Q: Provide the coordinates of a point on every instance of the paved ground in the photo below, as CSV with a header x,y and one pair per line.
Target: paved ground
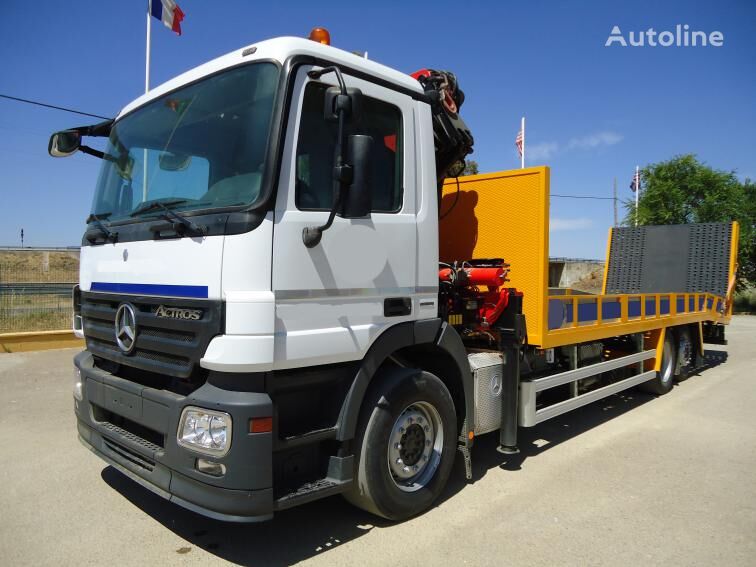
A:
x,y
633,480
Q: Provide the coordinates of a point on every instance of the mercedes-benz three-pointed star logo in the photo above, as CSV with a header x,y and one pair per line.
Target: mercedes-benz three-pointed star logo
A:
x,y
125,327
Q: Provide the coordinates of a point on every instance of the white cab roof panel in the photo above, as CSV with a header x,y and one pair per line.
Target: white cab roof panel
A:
x,y
279,49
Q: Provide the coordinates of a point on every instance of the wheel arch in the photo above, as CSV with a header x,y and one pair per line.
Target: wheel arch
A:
x,y
431,345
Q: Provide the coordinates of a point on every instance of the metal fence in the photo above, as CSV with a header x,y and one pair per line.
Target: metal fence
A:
x,y
563,260
35,289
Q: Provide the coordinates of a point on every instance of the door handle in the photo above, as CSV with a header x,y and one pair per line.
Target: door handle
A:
x,y
397,306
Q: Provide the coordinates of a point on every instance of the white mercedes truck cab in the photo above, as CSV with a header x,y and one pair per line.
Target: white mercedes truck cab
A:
x,y
262,246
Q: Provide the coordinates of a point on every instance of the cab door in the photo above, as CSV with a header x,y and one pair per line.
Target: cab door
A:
x,y
334,299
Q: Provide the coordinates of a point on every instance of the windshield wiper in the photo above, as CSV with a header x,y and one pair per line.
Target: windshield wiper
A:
x,y
96,219
179,223
152,205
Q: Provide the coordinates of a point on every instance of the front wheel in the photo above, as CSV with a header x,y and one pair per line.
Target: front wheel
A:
x,y
406,444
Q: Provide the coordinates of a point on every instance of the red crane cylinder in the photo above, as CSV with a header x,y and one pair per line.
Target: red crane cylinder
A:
x,y
491,277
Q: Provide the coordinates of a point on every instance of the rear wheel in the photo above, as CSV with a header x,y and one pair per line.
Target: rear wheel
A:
x,y
666,374
685,354
406,444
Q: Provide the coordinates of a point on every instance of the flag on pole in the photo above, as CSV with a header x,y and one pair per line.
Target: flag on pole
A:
x,y
168,12
635,185
518,142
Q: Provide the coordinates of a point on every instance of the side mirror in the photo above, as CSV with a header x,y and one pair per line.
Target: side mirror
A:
x,y
64,144
351,103
358,198
343,104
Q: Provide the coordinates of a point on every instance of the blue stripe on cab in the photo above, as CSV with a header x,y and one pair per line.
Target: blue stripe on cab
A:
x,y
196,291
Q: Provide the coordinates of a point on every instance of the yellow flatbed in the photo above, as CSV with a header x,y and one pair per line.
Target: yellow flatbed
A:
x,y
506,215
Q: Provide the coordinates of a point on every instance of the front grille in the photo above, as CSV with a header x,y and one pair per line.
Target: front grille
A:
x,y
170,335
165,346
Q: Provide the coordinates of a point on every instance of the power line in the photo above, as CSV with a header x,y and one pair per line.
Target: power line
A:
x,y
107,118
64,109
583,197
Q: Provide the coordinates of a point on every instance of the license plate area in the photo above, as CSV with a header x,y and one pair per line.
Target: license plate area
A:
x,y
123,403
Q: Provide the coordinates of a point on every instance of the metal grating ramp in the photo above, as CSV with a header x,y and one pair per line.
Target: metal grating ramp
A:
x,y
692,258
709,263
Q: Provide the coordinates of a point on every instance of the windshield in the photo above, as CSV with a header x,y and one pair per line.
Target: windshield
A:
x,y
199,147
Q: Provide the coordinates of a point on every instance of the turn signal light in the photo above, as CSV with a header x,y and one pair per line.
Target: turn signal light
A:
x,y
320,35
261,425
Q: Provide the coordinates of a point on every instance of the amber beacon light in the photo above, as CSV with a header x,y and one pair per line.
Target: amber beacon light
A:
x,y
320,35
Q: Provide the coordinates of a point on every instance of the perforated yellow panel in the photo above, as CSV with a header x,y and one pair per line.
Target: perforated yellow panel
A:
x,y
503,215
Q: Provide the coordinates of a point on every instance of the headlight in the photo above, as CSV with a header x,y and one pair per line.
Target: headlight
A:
x,y
78,388
205,431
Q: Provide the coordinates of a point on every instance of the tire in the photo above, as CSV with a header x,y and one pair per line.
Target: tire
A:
x,y
686,355
405,445
665,378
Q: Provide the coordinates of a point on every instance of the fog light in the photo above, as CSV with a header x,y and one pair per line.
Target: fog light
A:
x,y
78,388
209,467
205,431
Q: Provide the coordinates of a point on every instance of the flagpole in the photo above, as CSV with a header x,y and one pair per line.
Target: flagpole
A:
x,y
147,51
522,156
637,192
146,90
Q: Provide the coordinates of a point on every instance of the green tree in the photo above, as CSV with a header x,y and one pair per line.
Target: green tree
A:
x,y
471,167
685,190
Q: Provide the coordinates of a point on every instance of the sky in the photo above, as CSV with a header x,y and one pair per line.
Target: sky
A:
x,y
593,112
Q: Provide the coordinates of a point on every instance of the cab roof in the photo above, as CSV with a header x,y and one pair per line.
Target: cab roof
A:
x,y
278,49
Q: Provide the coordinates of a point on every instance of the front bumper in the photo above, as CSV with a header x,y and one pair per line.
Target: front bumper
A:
x,y
133,428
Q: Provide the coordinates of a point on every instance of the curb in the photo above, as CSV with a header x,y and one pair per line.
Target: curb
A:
x,y
38,340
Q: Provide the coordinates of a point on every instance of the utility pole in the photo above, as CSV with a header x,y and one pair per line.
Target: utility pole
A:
x,y
615,202
637,192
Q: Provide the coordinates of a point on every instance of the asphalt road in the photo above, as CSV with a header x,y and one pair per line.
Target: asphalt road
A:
x,y
632,480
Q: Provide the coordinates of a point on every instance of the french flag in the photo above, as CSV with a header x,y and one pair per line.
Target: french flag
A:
x,y
168,12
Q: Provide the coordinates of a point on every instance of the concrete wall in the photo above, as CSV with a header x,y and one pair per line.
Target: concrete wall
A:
x,y
577,274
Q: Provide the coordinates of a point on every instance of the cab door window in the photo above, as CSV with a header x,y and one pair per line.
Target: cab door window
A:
x,y
317,141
